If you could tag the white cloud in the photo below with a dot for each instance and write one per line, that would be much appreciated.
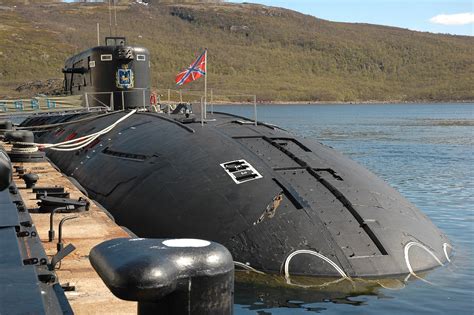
(453, 19)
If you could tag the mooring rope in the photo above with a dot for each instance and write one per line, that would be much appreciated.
(64, 123)
(445, 246)
(247, 267)
(341, 272)
(31, 149)
(407, 259)
(79, 143)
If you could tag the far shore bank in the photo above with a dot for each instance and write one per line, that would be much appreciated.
(344, 103)
(8, 95)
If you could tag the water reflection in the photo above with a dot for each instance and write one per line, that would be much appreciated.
(257, 292)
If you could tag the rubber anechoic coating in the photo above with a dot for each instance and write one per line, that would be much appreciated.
(148, 270)
(310, 201)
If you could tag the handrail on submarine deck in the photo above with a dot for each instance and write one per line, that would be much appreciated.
(204, 107)
(112, 99)
(200, 97)
(61, 111)
(203, 101)
(40, 103)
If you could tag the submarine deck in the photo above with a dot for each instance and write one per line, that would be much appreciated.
(94, 226)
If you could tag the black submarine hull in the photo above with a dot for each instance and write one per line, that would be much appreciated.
(279, 203)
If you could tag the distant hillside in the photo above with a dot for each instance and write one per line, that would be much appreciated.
(275, 53)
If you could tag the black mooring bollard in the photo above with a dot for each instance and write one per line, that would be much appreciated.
(5, 125)
(30, 180)
(20, 136)
(176, 276)
(23, 149)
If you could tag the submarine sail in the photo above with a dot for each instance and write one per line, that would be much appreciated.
(111, 75)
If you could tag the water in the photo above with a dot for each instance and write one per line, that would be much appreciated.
(426, 151)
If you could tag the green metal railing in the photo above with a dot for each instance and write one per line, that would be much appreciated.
(40, 104)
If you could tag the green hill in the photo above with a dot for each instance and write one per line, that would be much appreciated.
(275, 53)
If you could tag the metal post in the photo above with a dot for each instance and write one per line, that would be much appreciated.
(98, 34)
(110, 19)
(212, 102)
(59, 245)
(123, 101)
(202, 115)
(255, 109)
(205, 84)
(115, 17)
(87, 101)
(112, 105)
(180, 96)
(144, 95)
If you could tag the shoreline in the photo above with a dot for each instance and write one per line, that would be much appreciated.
(283, 103)
(18, 95)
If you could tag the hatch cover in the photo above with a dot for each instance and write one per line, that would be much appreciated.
(241, 171)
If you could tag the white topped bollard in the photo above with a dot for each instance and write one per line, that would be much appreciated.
(168, 276)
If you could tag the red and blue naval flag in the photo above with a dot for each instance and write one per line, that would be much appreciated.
(196, 70)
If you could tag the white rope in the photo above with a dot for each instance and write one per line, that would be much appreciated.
(445, 246)
(74, 142)
(247, 267)
(81, 142)
(310, 252)
(380, 283)
(322, 285)
(25, 150)
(407, 259)
(75, 148)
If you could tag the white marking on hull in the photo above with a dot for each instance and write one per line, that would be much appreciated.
(186, 242)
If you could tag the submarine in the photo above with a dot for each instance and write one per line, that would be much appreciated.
(281, 204)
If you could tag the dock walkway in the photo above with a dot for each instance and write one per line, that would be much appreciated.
(92, 227)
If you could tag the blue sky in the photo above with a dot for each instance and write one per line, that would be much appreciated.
(437, 16)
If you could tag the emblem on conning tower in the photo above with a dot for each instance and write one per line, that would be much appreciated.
(125, 78)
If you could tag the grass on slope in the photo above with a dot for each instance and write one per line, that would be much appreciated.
(275, 53)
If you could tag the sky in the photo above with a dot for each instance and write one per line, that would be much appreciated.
(436, 16)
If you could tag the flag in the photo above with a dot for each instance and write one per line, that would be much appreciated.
(195, 70)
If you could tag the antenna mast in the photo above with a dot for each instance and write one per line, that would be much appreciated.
(110, 18)
(115, 17)
(98, 34)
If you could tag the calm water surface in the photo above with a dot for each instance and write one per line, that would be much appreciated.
(426, 151)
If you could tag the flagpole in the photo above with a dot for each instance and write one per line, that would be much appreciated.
(205, 84)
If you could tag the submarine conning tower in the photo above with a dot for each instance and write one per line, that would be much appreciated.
(115, 75)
